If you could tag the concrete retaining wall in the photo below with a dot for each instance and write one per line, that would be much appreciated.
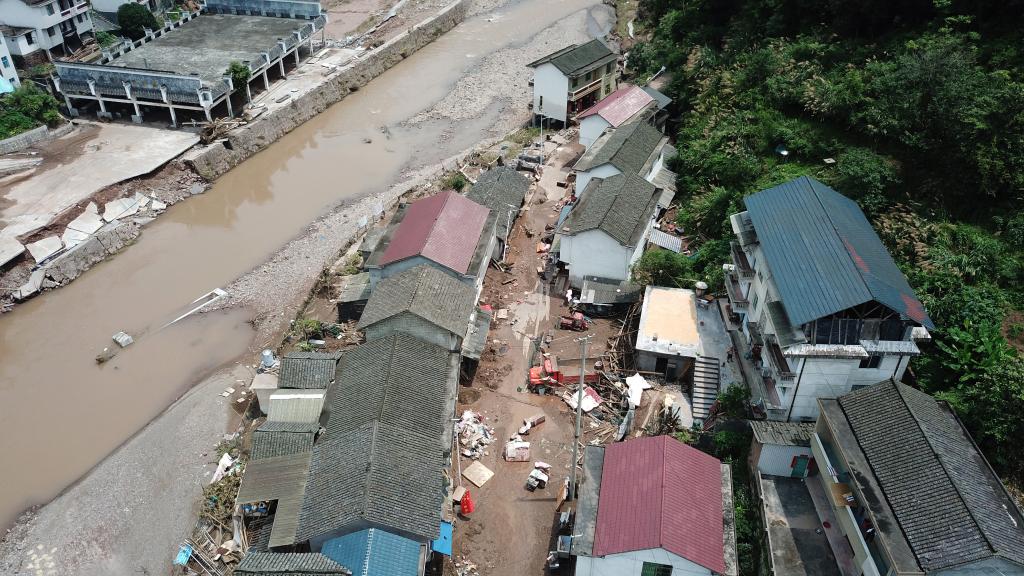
(107, 241)
(216, 159)
(33, 136)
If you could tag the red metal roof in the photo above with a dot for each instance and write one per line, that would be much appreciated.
(444, 228)
(619, 106)
(657, 492)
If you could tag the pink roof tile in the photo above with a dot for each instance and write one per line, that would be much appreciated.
(619, 106)
(657, 492)
(444, 228)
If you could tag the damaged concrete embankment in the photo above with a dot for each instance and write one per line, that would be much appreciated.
(214, 160)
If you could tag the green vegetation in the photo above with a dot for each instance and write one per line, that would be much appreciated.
(26, 108)
(455, 181)
(732, 447)
(106, 39)
(239, 74)
(915, 110)
(133, 18)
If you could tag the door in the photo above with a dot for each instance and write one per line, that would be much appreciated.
(800, 466)
(661, 365)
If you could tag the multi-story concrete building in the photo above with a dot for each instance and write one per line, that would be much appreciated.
(821, 305)
(909, 490)
(40, 30)
(573, 79)
(7, 69)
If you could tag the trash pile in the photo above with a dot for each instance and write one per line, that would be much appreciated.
(474, 435)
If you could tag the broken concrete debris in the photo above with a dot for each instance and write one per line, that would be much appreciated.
(530, 423)
(517, 451)
(43, 249)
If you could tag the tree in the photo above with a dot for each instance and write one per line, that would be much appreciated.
(239, 74)
(26, 108)
(133, 18)
(663, 268)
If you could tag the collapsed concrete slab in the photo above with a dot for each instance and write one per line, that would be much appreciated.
(107, 241)
(43, 249)
(120, 208)
(9, 249)
(88, 222)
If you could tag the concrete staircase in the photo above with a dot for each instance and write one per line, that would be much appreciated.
(706, 380)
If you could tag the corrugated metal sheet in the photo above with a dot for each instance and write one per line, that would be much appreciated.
(475, 342)
(620, 105)
(444, 228)
(657, 492)
(666, 240)
(281, 478)
(296, 406)
(374, 552)
(824, 255)
(782, 433)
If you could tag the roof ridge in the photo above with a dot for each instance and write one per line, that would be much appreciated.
(661, 509)
(898, 386)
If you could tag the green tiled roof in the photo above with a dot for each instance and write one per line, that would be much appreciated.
(577, 57)
(425, 291)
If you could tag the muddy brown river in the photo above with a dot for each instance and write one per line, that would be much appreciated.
(61, 413)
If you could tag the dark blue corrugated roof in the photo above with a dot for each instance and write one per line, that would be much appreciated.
(824, 254)
(374, 552)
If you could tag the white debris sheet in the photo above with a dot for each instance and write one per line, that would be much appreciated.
(636, 384)
(478, 474)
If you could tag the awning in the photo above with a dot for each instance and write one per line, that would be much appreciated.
(604, 292)
(443, 544)
(667, 241)
(475, 341)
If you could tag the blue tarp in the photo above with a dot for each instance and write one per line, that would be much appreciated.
(443, 544)
(184, 553)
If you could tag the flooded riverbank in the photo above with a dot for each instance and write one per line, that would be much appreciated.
(60, 413)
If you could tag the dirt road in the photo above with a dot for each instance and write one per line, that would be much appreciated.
(512, 529)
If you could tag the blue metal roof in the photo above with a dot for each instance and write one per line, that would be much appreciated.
(374, 552)
(824, 255)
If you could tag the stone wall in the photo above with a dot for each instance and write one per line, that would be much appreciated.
(216, 159)
(33, 136)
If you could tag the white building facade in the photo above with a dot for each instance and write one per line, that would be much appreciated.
(44, 29)
(573, 79)
(7, 69)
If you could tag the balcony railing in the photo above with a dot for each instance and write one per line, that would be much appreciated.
(735, 291)
(779, 361)
(585, 89)
(739, 258)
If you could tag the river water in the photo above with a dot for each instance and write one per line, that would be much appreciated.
(61, 413)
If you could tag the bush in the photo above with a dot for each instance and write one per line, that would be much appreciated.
(106, 38)
(456, 181)
(239, 74)
(133, 18)
(663, 268)
(26, 108)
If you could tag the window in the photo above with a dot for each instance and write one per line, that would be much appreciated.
(5, 61)
(80, 18)
(871, 361)
(575, 82)
(52, 31)
(753, 302)
(608, 68)
(29, 39)
(49, 9)
(652, 569)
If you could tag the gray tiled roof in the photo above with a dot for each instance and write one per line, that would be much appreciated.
(619, 205)
(281, 478)
(661, 99)
(576, 58)
(501, 189)
(399, 380)
(950, 505)
(377, 475)
(627, 147)
(307, 370)
(426, 292)
(282, 438)
(290, 564)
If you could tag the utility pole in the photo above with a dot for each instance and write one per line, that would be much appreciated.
(579, 412)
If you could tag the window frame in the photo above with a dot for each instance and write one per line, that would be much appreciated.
(655, 569)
